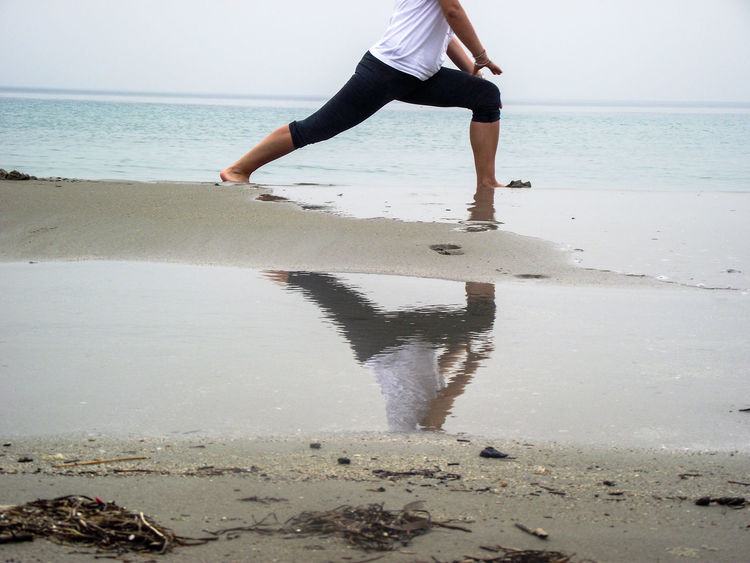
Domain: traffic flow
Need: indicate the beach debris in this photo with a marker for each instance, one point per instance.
(99, 461)
(25, 459)
(744, 410)
(429, 473)
(538, 532)
(212, 471)
(15, 538)
(733, 271)
(512, 555)
(262, 500)
(733, 502)
(369, 527)
(739, 483)
(554, 491)
(344, 461)
(76, 519)
(518, 184)
(609, 483)
(315, 445)
(492, 453)
(447, 249)
(15, 175)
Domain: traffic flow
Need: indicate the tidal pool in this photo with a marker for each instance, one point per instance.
(141, 349)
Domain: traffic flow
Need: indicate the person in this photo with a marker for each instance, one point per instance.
(405, 65)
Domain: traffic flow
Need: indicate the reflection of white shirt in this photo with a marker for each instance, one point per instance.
(409, 379)
(416, 39)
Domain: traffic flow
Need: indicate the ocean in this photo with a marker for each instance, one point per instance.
(150, 138)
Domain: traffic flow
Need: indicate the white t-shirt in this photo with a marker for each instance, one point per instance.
(416, 39)
(409, 379)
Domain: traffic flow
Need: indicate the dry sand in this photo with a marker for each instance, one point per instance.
(644, 512)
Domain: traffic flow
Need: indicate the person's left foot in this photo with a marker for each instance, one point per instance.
(229, 174)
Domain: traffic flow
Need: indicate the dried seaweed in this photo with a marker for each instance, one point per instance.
(429, 473)
(510, 555)
(369, 527)
(81, 520)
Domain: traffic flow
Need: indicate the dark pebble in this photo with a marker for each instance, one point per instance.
(315, 446)
(344, 461)
(491, 452)
(25, 460)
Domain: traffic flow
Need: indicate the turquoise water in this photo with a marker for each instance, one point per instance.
(191, 139)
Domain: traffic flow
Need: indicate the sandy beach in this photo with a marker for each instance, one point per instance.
(600, 500)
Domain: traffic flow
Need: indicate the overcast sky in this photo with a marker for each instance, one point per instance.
(625, 50)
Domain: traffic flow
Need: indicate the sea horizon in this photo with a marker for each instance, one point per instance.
(561, 102)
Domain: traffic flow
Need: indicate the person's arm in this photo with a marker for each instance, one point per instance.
(458, 55)
(464, 30)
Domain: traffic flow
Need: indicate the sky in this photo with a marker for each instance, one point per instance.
(550, 50)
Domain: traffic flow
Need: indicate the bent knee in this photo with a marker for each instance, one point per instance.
(488, 103)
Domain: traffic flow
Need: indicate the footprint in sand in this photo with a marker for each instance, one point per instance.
(532, 276)
(447, 249)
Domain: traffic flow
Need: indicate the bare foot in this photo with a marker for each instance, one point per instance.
(229, 174)
(490, 184)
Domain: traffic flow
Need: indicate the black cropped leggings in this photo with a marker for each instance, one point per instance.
(374, 84)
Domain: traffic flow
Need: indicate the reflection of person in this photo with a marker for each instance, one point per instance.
(402, 347)
(405, 65)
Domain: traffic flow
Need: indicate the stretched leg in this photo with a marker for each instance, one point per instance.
(276, 145)
(373, 85)
(454, 88)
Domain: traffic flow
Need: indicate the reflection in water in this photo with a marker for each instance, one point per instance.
(422, 358)
(482, 211)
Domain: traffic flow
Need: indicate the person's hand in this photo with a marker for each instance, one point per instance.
(278, 276)
(491, 66)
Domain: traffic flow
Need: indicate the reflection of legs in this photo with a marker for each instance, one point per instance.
(276, 145)
(483, 208)
(480, 300)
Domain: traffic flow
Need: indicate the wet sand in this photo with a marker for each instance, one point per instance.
(226, 225)
(644, 512)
